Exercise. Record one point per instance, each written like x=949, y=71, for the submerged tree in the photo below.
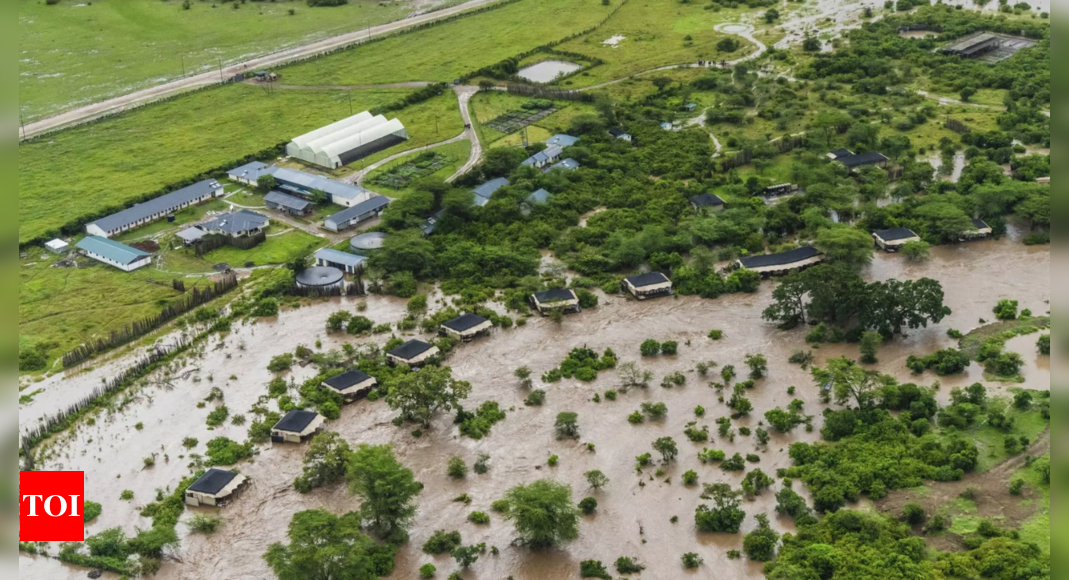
x=418, y=396
x=543, y=513
x=387, y=488
x=324, y=463
x=324, y=546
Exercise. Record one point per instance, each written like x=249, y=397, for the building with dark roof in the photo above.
x=563, y=299
x=782, y=263
x=649, y=285
x=351, y=385
x=466, y=327
x=974, y=45
x=297, y=427
x=250, y=173
x=357, y=214
x=863, y=159
x=215, y=488
x=237, y=224
x=113, y=253
x=707, y=201
x=484, y=192
x=155, y=209
x=620, y=134
x=979, y=231
x=544, y=157
x=431, y=224
x=893, y=239
x=412, y=353
x=288, y=204
x=839, y=153
x=349, y=263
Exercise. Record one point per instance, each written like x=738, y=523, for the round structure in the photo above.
x=320, y=278
x=367, y=242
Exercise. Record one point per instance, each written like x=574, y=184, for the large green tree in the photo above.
x=405, y=252
x=892, y=306
x=849, y=246
x=323, y=546
x=543, y=513
x=418, y=396
x=387, y=488
x=850, y=382
x=324, y=463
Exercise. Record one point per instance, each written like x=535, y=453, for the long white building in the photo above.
x=341, y=143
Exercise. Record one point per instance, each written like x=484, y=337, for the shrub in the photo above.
x=711, y=455
x=758, y=366
x=1017, y=487
x=280, y=363
x=1006, y=310
x=690, y=477
x=650, y=347
x=126, y=495
x=189, y=442
x=203, y=524
x=223, y=451
x=655, y=411
x=427, y=571
x=636, y=418
x=218, y=416
x=91, y=510
x=553, y=460
x=913, y=514
x=760, y=544
x=442, y=542
x=359, y=325
x=804, y=358
x=593, y=569
x=756, y=482
x=669, y=348
x=676, y=379
x=536, y=399
x=691, y=560
x=716, y=334
x=587, y=299
x=736, y=463
x=456, y=468
x=588, y=505
x=479, y=518
x=500, y=506
x=567, y=425
x=1043, y=344
x=917, y=250
x=266, y=307
x=626, y=565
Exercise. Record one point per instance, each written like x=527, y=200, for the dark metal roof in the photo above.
x=895, y=234
x=375, y=203
x=617, y=132
x=213, y=481
x=782, y=259
x=972, y=43
x=287, y=201
x=347, y=380
x=706, y=200
x=979, y=224
x=158, y=205
x=411, y=349
x=296, y=421
x=648, y=279
x=237, y=222
x=555, y=295
x=252, y=171
x=861, y=159
x=465, y=322
x=841, y=153
x=322, y=276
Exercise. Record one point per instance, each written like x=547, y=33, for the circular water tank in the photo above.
x=367, y=242
x=320, y=278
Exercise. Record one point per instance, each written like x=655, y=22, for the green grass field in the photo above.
x=488, y=106
x=74, y=52
x=448, y=51
x=656, y=33
x=457, y=153
x=1037, y=528
x=84, y=169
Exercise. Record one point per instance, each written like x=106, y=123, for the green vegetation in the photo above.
x=321, y=543
x=543, y=513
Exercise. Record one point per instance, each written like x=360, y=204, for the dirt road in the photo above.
x=275, y=59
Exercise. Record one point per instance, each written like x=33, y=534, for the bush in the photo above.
x=218, y=416
x=728, y=44
x=456, y=468
x=479, y=518
x=266, y=307
x=91, y=511
x=1043, y=344
x=913, y=514
x=442, y=542
x=223, y=452
x=126, y=495
x=280, y=363
x=760, y=544
x=593, y=569
x=1017, y=487
x=636, y=418
x=1006, y=310
x=691, y=560
x=626, y=565
x=536, y=399
x=203, y=524
x=587, y=299
x=427, y=571
x=669, y=348
x=500, y=506
x=916, y=250
x=655, y=411
x=588, y=505
x=567, y=425
x=690, y=477
x=716, y=334
x=359, y=325
x=650, y=347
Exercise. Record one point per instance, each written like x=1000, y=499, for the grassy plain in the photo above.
x=74, y=53
x=109, y=163
x=1037, y=528
x=656, y=33
x=450, y=50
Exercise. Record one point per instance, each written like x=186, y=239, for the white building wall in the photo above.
x=124, y=267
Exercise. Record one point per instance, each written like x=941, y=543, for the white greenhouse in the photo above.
x=341, y=143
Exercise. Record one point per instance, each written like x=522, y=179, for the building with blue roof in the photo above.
x=113, y=253
x=562, y=140
x=348, y=263
x=154, y=209
x=303, y=184
x=544, y=157
x=539, y=197
x=250, y=173
x=568, y=164
x=358, y=213
x=484, y=192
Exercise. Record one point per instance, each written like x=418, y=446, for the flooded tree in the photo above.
x=726, y=515
x=567, y=426
x=760, y=544
x=387, y=489
x=596, y=479
x=325, y=462
x=418, y=396
x=543, y=513
x=849, y=382
x=632, y=377
x=666, y=446
x=325, y=546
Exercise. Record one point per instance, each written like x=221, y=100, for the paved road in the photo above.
x=275, y=59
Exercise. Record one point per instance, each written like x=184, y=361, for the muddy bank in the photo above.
x=975, y=276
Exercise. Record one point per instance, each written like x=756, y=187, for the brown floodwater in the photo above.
x=633, y=517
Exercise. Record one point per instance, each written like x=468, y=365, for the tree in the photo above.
x=758, y=366
x=1006, y=309
x=811, y=44
x=783, y=421
x=632, y=377
x=661, y=82
x=756, y=482
x=650, y=347
x=789, y=503
x=760, y=544
x=891, y=306
x=726, y=515
x=405, y=252
x=666, y=446
x=596, y=479
x=771, y=15
x=418, y=396
x=917, y=250
x=831, y=122
x=386, y=487
x=466, y=555
x=967, y=93
x=324, y=546
x=567, y=425
x=943, y=220
x=324, y=463
x=727, y=45
x=849, y=382
x=543, y=513
x=319, y=197
x=870, y=344
x=849, y=246
x=266, y=183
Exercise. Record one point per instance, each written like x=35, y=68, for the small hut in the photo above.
x=979, y=231
x=297, y=427
x=649, y=285
x=215, y=488
x=466, y=327
x=351, y=385
x=412, y=353
x=893, y=239
x=707, y=201
x=561, y=299
x=58, y=246
x=783, y=263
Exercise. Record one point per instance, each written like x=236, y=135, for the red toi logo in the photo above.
x=51, y=506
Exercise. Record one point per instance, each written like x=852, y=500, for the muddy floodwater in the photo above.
x=547, y=70
x=633, y=517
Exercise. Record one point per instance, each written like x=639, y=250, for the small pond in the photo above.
x=548, y=70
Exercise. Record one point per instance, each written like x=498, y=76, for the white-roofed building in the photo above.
x=341, y=143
